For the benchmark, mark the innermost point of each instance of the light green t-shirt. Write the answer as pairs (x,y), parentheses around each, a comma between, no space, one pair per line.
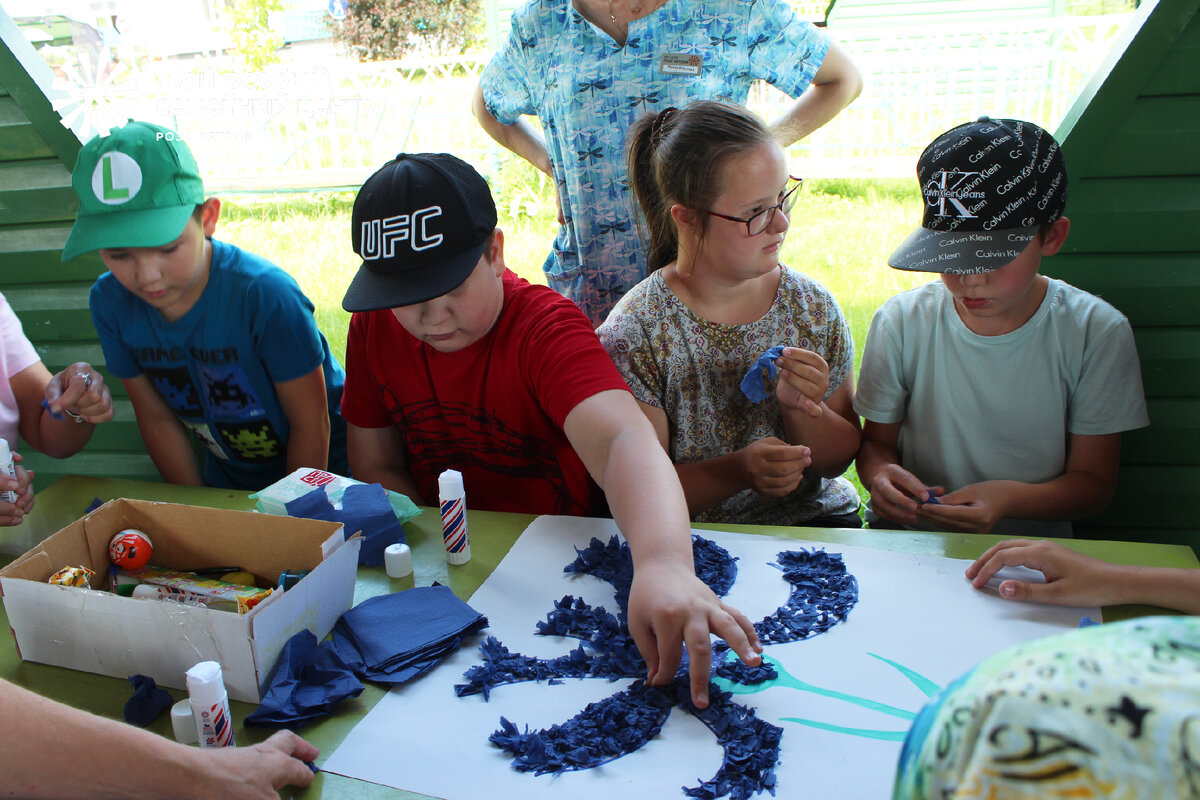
(976,408)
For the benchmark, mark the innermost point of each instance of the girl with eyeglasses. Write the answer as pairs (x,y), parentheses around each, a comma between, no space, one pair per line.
(714,188)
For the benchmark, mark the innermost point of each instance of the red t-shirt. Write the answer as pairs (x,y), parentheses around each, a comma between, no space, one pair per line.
(493,411)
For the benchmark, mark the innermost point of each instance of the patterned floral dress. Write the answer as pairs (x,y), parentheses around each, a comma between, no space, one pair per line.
(691,368)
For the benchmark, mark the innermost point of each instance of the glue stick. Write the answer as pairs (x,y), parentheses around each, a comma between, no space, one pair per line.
(7,468)
(210,705)
(453,498)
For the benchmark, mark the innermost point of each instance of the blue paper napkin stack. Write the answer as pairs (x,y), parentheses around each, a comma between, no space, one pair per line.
(396,637)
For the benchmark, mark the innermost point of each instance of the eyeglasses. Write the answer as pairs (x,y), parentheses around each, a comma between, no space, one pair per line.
(757,223)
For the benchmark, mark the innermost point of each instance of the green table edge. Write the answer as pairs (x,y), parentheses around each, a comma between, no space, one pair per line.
(493,533)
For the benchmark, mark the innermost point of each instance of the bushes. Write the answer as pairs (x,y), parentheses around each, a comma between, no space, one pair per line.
(381,30)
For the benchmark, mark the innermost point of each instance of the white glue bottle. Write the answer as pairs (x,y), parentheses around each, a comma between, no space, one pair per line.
(453,497)
(210,705)
(7,467)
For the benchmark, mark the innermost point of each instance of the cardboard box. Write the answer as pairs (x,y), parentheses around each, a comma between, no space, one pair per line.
(98,631)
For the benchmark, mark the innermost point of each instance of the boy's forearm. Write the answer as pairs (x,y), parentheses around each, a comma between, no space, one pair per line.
(646,500)
(872,457)
(308,444)
(1070,496)
(396,480)
(171,451)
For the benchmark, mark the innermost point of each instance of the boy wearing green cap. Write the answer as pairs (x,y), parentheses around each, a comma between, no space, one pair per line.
(208,340)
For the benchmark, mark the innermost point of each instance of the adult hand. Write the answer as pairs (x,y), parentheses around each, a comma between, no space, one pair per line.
(897,494)
(803,380)
(669,607)
(257,772)
(972,509)
(1072,579)
(80,390)
(14,513)
(772,467)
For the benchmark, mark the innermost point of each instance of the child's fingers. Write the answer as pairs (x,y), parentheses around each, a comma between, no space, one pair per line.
(786,453)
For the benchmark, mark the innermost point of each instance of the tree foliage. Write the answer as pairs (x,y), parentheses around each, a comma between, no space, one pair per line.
(250,27)
(380,30)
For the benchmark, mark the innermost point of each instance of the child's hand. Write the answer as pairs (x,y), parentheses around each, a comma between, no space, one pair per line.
(669,607)
(772,467)
(14,513)
(972,509)
(1072,579)
(80,389)
(803,380)
(897,494)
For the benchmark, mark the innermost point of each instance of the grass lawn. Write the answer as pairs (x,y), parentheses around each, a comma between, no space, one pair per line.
(842,232)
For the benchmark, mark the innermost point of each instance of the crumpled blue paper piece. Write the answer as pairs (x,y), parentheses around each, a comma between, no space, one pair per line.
(754,386)
(147,702)
(308,681)
(365,508)
(396,637)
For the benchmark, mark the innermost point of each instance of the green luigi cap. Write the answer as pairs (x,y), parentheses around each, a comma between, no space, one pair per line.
(137,187)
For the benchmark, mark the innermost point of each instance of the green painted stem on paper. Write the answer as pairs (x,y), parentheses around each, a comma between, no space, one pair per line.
(787,680)
(865,733)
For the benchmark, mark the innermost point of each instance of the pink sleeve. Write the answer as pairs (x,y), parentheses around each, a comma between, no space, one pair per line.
(16,353)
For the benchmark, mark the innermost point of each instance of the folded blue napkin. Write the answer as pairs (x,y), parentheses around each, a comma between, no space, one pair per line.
(365,508)
(754,386)
(396,637)
(308,681)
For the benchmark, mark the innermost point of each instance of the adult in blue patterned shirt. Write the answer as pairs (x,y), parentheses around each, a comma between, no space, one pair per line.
(588,68)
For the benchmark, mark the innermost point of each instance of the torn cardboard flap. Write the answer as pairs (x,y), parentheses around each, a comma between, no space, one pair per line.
(101,632)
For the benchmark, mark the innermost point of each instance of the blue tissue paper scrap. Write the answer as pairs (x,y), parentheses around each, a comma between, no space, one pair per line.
(147,702)
(308,681)
(365,508)
(754,386)
(822,595)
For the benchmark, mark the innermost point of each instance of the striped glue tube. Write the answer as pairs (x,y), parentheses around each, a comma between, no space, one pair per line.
(454,517)
(210,705)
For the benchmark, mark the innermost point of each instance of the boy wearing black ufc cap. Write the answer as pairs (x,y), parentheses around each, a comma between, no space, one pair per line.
(454,362)
(994,399)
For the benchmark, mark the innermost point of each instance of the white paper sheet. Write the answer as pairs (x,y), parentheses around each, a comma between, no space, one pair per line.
(918,611)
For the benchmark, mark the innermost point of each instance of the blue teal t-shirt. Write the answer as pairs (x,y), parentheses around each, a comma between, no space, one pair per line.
(217,365)
(587,90)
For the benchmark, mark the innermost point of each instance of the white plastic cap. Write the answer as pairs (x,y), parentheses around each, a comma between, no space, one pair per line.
(397,560)
(450,484)
(182,723)
(204,673)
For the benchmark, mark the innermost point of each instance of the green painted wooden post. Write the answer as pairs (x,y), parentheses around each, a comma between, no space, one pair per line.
(37,208)
(1131,145)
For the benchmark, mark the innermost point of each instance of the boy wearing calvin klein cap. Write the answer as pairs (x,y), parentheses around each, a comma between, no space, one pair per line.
(454,362)
(210,342)
(994,399)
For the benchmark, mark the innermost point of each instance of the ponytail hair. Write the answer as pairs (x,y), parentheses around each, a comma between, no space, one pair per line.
(676,157)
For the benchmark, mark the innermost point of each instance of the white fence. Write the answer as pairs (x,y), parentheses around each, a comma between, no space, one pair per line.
(321,120)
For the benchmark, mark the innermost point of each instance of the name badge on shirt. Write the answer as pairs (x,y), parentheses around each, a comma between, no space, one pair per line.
(680,64)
